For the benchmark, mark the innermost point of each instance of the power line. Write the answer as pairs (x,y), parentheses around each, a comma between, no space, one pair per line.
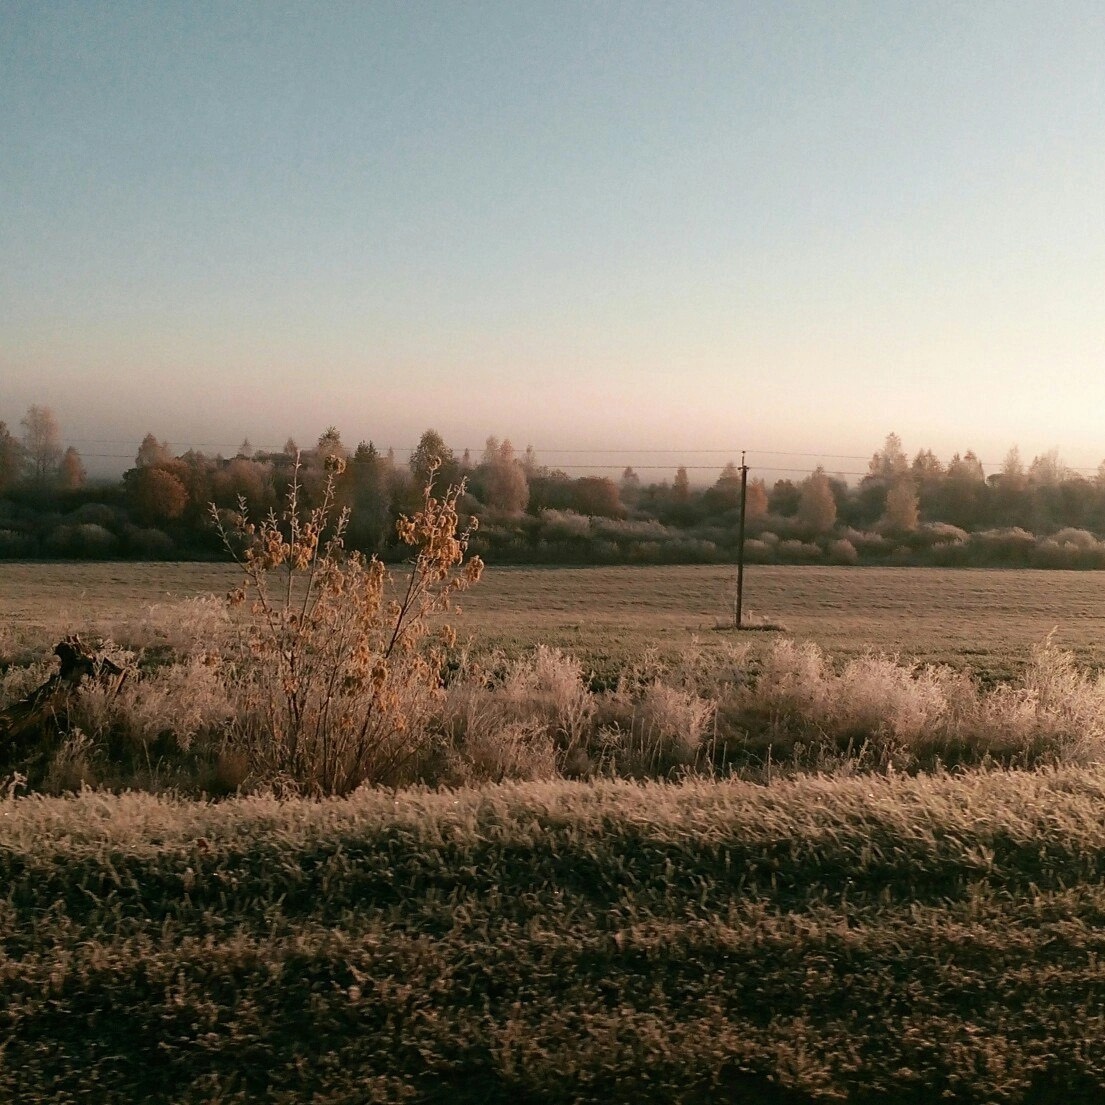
(628,451)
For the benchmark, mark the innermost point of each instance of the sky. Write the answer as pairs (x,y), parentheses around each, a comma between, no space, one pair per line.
(671,231)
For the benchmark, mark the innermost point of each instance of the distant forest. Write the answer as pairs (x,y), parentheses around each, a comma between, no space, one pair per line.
(903,511)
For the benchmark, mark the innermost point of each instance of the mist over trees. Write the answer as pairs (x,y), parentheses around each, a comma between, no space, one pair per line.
(902,510)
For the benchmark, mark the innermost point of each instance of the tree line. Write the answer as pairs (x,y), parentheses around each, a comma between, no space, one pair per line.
(902,510)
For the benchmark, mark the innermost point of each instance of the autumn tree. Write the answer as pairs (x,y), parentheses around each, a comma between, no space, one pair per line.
(902,513)
(887,467)
(41,443)
(246,479)
(597,495)
(72,475)
(816,503)
(501,479)
(155,494)
(756,507)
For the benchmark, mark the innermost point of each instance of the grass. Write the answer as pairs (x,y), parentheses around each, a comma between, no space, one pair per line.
(846,933)
(830,939)
(981,619)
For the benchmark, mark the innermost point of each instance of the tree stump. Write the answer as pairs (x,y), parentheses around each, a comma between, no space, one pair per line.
(33,728)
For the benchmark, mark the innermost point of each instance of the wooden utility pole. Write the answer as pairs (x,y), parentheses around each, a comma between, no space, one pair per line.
(740,542)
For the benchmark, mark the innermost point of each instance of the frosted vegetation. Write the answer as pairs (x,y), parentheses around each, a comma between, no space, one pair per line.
(210,714)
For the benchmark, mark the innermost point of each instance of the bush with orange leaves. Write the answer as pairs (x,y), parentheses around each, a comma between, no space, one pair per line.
(339,664)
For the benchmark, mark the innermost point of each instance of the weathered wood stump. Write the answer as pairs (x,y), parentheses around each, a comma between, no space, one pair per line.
(32,728)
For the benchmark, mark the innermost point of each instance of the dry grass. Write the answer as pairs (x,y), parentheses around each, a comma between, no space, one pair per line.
(883,711)
(751,712)
(831,939)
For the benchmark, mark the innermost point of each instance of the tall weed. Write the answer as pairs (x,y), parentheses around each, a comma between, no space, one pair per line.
(337,677)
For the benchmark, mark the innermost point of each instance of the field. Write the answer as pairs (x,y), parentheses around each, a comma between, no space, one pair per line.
(853,931)
(983,619)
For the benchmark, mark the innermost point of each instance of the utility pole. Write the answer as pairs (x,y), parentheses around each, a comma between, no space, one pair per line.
(740,542)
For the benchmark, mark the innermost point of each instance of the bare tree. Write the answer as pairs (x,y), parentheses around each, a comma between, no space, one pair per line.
(42,441)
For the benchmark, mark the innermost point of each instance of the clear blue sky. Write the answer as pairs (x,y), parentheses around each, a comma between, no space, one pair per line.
(679,225)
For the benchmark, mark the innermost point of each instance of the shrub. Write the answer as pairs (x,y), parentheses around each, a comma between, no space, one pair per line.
(337,680)
(15,545)
(1013,546)
(868,544)
(148,543)
(798,552)
(937,533)
(100,514)
(650,529)
(558,525)
(843,552)
(84,541)
(759,551)
(1076,538)
(1069,548)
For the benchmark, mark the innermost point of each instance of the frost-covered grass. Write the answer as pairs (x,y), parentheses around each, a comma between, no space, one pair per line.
(880,938)
(980,619)
(184,723)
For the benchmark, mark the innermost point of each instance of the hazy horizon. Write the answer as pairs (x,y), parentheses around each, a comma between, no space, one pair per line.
(782,228)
